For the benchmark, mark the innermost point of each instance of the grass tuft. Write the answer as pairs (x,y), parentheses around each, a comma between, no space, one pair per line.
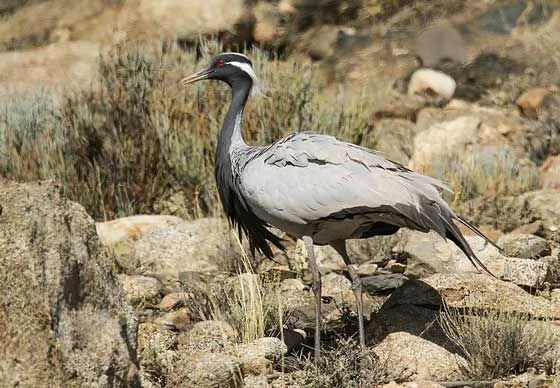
(498,342)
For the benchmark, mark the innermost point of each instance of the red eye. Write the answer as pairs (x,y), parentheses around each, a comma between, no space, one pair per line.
(221,63)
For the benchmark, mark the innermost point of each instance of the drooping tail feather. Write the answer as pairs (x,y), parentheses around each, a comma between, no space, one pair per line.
(453,233)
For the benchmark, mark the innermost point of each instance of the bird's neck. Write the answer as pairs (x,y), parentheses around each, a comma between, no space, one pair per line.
(230,138)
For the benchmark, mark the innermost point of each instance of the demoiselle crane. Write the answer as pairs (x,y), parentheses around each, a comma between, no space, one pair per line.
(317,188)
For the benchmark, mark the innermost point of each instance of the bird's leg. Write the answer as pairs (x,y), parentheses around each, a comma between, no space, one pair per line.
(316,286)
(340,247)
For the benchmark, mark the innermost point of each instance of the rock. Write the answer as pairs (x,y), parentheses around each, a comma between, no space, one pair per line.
(432,144)
(174,300)
(179,320)
(157,349)
(429,253)
(367,269)
(258,356)
(293,284)
(525,246)
(400,106)
(471,290)
(530,101)
(268,28)
(64,318)
(206,370)
(441,44)
(335,284)
(544,205)
(202,245)
(208,336)
(414,358)
(132,228)
(141,290)
(254,381)
(185,20)
(395,138)
(382,282)
(550,173)
(431,82)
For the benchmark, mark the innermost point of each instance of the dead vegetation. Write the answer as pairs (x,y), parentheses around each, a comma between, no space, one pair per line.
(497,342)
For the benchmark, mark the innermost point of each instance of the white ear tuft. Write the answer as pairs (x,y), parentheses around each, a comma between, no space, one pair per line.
(255,89)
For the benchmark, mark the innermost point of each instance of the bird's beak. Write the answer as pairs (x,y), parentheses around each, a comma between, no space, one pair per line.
(203,74)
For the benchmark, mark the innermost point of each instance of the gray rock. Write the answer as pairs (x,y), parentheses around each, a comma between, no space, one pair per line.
(428,253)
(208,336)
(202,245)
(141,290)
(59,294)
(257,357)
(525,246)
(158,351)
(472,290)
(414,358)
(441,44)
(206,370)
(383,282)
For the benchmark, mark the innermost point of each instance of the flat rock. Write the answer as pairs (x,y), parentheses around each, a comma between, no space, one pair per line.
(382,282)
(472,290)
(132,228)
(203,245)
(525,246)
(414,358)
(428,253)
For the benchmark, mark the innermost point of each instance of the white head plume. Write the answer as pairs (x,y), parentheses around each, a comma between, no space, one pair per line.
(256,88)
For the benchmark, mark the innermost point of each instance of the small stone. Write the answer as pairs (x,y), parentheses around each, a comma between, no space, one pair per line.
(179,320)
(208,336)
(395,267)
(141,290)
(550,173)
(258,356)
(174,300)
(431,82)
(530,101)
(382,282)
(292,284)
(525,246)
(367,269)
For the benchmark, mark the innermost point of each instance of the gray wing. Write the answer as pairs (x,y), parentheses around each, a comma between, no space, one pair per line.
(306,178)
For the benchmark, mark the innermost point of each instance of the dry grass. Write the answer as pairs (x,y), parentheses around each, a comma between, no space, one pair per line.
(498,342)
(343,365)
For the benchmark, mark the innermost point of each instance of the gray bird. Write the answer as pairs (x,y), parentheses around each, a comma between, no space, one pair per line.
(317,188)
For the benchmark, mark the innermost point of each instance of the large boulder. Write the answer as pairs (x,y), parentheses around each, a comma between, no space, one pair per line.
(168,247)
(413,358)
(63,316)
(428,253)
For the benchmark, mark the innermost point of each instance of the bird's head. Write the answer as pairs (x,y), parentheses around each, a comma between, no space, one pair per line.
(232,68)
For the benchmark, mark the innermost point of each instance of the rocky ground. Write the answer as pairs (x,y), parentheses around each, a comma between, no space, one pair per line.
(465,92)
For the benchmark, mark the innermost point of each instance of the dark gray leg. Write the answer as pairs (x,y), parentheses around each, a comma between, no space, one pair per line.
(340,247)
(316,286)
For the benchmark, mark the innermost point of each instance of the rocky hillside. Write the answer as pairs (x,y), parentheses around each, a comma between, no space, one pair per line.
(117,266)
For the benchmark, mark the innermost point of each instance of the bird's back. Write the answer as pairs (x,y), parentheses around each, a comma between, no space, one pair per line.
(308,184)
